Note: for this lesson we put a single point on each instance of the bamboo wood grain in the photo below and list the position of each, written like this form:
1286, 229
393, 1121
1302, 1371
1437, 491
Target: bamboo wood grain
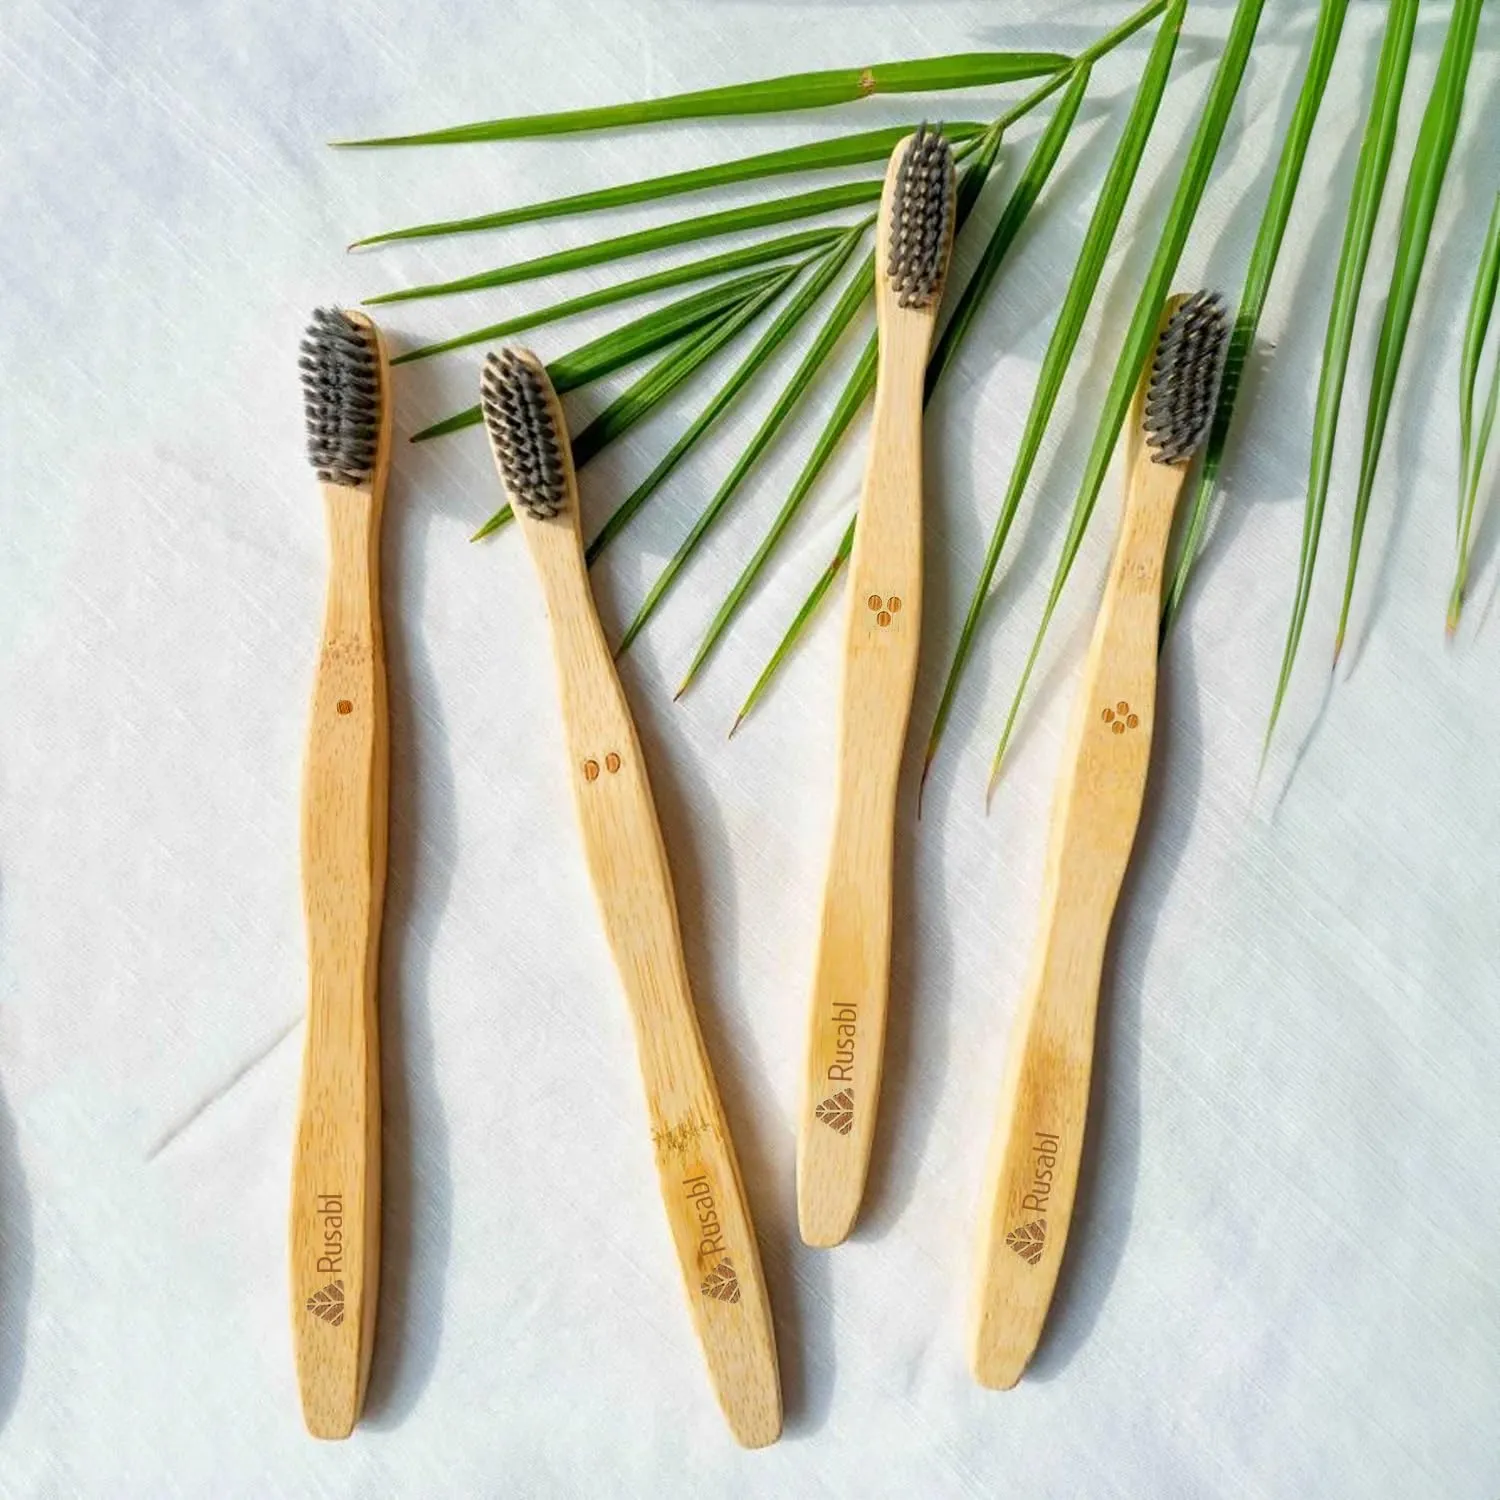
335, 1211
1033, 1173
699, 1175
851, 977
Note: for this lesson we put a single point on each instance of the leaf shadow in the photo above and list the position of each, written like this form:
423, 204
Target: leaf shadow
1484, 544
17, 1263
1304, 744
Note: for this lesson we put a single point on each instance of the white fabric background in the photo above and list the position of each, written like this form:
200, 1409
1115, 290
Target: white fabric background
1283, 1278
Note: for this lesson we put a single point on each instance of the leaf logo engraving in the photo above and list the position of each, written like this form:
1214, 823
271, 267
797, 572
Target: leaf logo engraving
838, 1112
721, 1283
1029, 1241
328, 1304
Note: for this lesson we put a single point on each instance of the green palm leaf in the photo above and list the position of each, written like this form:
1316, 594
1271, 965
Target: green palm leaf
794, 91
849, 303
856, 392
843, 151
640, 399
1424, 186
1472, 454
657, 384
634, 340
1138, 340
1097, 240
640, 286
641, 241
787, 320
800, 621
1359, 230
1257, 284
1481, 306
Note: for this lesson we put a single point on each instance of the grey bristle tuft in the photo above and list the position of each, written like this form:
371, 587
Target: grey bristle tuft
1185, 375
518, 414
921, 229
341, 392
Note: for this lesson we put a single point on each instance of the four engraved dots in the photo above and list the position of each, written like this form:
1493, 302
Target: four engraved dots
1119, 718
883, 609
591, 767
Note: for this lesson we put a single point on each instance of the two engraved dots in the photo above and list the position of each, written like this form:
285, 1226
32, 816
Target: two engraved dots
591, 767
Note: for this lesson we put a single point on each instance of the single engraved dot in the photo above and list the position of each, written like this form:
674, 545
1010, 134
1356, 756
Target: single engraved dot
882, 618
591, 770
1118, 727
1108, 716
1132, 721
873, 601
1122, 707
611, 762
893, 604
344, 706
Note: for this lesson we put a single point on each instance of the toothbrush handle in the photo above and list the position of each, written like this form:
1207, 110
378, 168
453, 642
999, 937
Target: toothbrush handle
1039, 1134
335, 1211
851, 978
695, 1159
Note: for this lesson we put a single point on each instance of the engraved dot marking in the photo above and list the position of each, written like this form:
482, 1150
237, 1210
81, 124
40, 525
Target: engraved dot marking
1119, 718
591, 770
873, 601
611, 762
1118, 727
1108, 716
1122, 707
344, 706
882, 618
882, 609
893, 604
1131, 721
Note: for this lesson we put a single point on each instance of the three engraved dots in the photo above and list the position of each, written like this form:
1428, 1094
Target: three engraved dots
883, 609
591, 767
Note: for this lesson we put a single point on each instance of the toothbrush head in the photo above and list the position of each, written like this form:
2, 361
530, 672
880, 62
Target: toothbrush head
1185, 374
341, 390
920, 207
516, 399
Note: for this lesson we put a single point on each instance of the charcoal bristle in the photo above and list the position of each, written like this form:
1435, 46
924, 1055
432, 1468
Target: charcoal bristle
921, 226
341, 393
1185, 374
517, 411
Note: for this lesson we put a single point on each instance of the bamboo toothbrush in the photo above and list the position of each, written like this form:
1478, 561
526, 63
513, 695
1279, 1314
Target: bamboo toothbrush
847, 1023
1039, 1137
335, 1219
700, 1179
